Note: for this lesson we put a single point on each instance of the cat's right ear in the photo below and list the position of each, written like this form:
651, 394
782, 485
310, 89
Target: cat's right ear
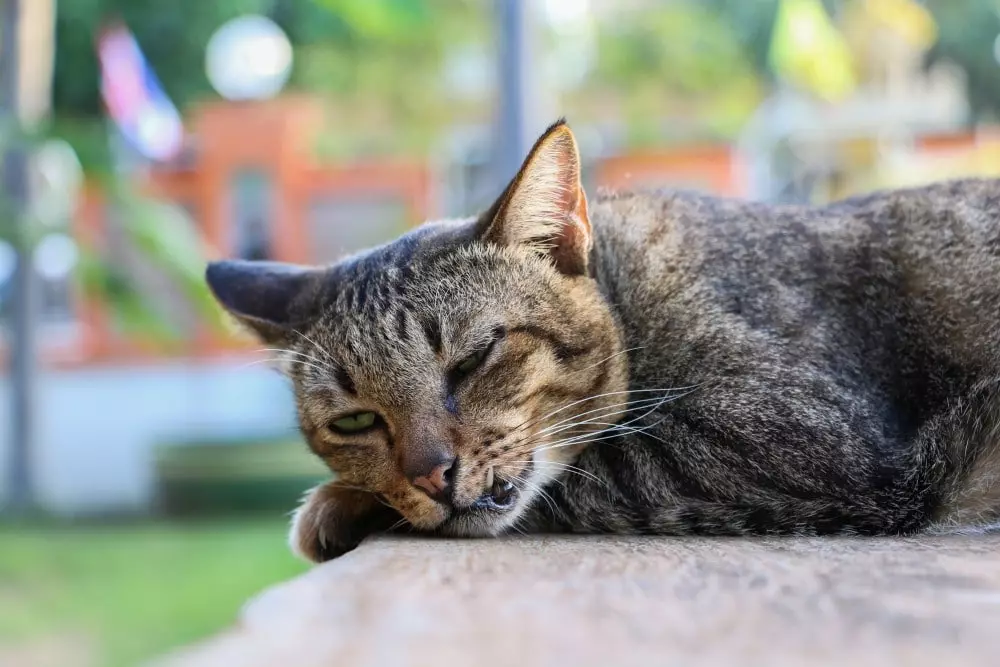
271, 299
544, 209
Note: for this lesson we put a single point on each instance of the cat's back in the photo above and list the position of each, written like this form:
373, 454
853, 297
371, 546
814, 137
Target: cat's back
943, 219
840, 284
939, 237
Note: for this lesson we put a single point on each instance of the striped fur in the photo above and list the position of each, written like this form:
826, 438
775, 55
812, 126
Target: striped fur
659, 363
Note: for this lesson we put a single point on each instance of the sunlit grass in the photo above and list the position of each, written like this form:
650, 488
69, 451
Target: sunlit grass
126, 593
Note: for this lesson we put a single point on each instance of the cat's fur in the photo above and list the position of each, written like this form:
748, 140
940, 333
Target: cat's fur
660, 363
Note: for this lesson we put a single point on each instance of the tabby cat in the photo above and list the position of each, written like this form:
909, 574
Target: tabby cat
660, 363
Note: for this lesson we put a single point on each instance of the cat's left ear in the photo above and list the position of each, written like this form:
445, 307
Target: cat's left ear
271, 299
544, 209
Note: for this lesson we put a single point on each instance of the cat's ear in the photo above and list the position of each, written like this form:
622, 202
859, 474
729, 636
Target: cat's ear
544, 208
269, 298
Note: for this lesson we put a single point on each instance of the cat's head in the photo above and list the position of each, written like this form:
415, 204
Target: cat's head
453, 373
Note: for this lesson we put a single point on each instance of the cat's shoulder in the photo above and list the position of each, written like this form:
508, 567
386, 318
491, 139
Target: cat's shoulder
663, 217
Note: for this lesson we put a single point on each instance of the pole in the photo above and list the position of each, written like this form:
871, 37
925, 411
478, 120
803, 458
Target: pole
518, 95
20, 495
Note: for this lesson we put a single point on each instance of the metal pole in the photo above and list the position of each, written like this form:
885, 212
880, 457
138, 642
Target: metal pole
517, 97
22, 373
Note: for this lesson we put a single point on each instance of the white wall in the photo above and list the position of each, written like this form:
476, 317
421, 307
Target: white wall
98, 427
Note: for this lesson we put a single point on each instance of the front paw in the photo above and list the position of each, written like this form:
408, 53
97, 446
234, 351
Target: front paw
332, 520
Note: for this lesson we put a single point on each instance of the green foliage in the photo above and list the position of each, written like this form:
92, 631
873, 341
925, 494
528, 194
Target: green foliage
380, 63
381, 59
384, 54
674, 57
752, 23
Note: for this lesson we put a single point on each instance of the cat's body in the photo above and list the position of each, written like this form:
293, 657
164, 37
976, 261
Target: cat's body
653, 362
846, 361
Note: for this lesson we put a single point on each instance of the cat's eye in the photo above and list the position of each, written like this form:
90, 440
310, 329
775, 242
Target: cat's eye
468, 365
356, 423
471, 362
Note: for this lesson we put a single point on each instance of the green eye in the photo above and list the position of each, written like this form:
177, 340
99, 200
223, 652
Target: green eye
471, 362
356, 423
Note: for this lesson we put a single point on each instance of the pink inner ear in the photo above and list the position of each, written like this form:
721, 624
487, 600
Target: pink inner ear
571, 251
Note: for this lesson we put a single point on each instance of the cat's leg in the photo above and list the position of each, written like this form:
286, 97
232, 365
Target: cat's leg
970, 429
794, 455
332, 520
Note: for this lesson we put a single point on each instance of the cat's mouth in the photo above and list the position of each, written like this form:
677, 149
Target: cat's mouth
492, 512
501, 497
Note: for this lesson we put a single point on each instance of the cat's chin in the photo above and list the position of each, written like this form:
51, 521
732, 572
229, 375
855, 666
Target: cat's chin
481, 523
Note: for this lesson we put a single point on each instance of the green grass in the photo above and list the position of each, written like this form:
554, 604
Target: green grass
134, 591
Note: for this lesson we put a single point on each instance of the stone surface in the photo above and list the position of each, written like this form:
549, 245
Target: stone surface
629, 601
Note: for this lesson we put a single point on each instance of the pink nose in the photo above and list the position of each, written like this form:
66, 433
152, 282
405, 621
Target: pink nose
437, 482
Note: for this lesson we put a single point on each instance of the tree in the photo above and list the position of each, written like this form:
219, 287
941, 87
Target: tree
379, 61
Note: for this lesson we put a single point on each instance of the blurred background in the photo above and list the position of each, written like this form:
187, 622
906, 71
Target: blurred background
148, 455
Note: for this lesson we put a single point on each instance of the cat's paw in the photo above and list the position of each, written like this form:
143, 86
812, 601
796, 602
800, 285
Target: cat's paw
333, 520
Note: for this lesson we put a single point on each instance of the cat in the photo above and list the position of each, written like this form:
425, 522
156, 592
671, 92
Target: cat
647, 362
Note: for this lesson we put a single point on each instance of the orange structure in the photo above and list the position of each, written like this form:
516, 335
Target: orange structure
253, 164
710, 168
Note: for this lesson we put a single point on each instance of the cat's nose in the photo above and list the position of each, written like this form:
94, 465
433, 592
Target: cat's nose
437, 482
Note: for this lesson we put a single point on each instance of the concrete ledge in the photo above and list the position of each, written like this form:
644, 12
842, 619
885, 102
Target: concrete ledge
629, 601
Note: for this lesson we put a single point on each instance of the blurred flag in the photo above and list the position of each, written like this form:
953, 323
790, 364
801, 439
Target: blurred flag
809, 52
134, 97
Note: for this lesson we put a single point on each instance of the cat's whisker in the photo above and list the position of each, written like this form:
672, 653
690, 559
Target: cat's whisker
599, 436
610, 428
607, 359
326, 360
297, 353
637, 401
608, 409
295, 356
536, 440
256, 362
531, 486
532, 421
611, 409
567, 467
604, 434
516, 528
613, 428
277, 362
625, 407
652, 409
631, 429
399, 524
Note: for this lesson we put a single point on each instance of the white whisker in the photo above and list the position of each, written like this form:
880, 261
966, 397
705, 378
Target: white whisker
607, 359
399, 524
568, 468
536, 488
638, 404
277, 362
614, 429
531, 422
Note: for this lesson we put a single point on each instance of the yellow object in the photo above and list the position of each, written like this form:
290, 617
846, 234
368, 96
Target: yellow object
808, 51
907, 18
